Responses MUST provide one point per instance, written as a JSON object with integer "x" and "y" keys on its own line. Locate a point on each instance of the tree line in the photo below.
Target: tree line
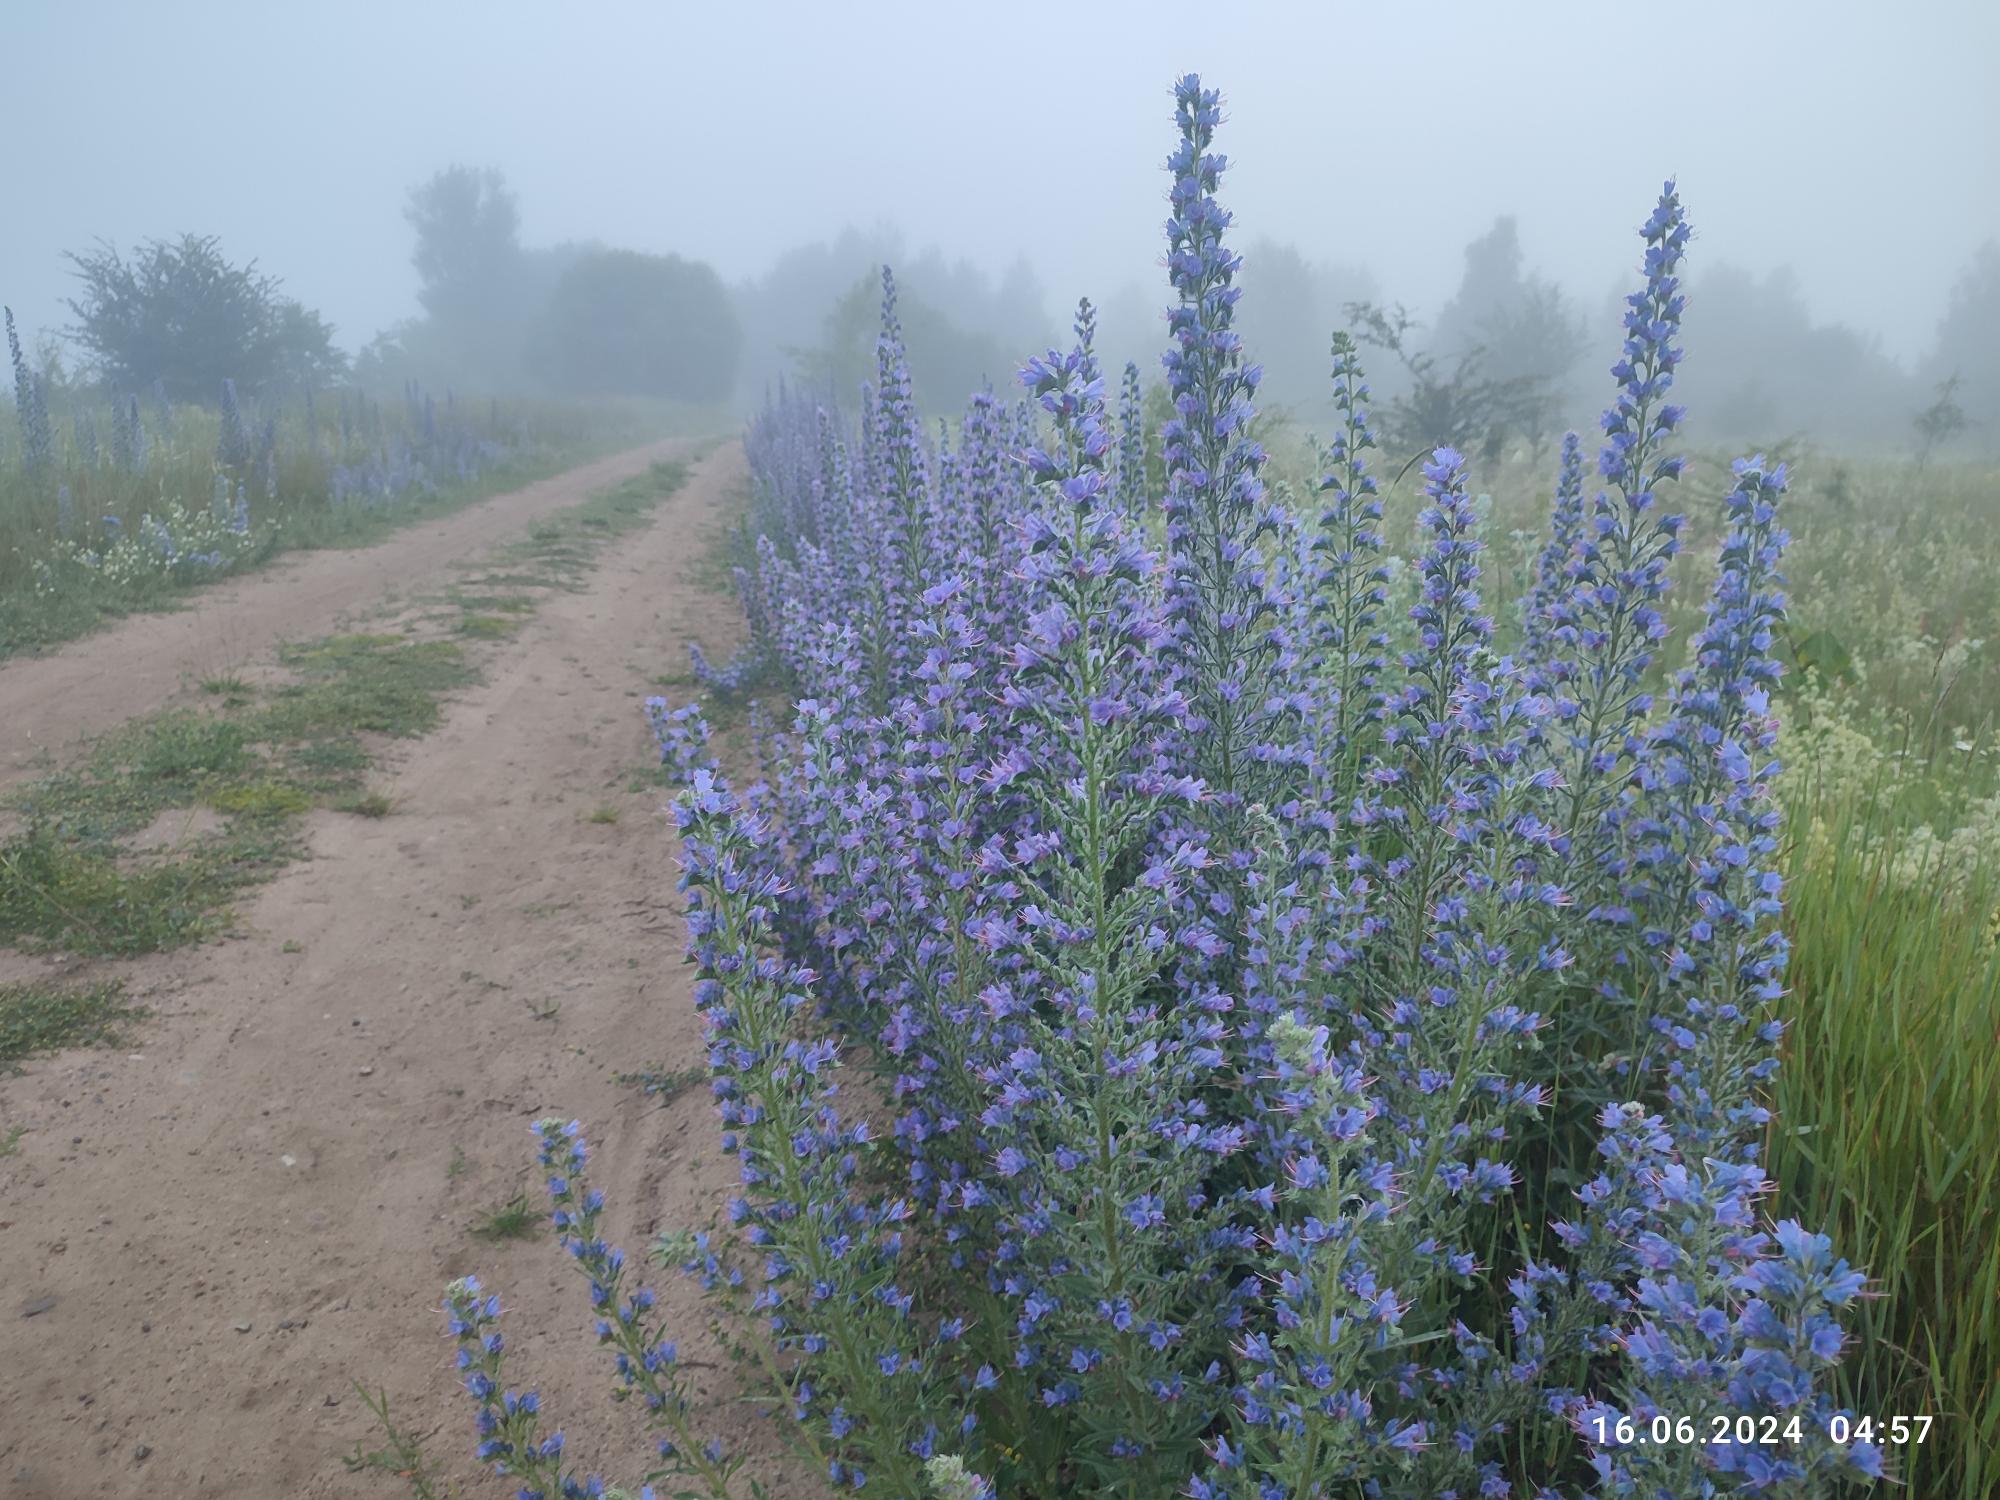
{"x": 1503, "y": 363}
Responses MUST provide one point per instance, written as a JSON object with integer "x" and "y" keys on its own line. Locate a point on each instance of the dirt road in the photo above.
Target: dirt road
{"x": 92, "y": 684}
{"x": 205, "y": 1237}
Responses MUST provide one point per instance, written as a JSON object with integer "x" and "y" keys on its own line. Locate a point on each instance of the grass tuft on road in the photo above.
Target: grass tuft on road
{"x": 39, "y": 1017}
{"x": 516, "y": 1219}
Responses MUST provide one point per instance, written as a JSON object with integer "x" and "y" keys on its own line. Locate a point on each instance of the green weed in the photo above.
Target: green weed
{"x": 58, "y": 895}
{"x": 378, "y": 684}
{"x": 366, "y": 804}
{"x": 401, "y": 1455}
{"x": 46, "y": 1017}
{"x": 512, "y": 1220}
{"x": 184, "y": 749}
{"x": 501, "y": 604}
{"x": 664, "y": 1084}
{"x": 262, "y": 799}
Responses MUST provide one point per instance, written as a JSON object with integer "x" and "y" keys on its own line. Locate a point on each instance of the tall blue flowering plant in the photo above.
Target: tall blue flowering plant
{"x": 1183, "y": 1031}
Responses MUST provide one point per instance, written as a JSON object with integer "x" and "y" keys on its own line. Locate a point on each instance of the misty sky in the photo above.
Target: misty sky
{"x": 1859, "y": 143}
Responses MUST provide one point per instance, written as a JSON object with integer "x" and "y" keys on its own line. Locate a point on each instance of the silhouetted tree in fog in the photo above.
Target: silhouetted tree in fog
{"x": 1489, "y": 288}
{"x": 803, "y": 315}
{"x": 1968, "y": 344}
{"x": 1766, "y": 370}
{"x": 471, "y": 281}
{"x": 1519, "y": 333}
{"x": 180, "y": 313}
{"x": 468, "y": 250}
{"x": 1287, "y": 317}
{"x": 623, "y": 323}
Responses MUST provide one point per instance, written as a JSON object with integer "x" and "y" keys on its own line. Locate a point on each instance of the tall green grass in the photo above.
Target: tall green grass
{"x": 1888, "y": 1133}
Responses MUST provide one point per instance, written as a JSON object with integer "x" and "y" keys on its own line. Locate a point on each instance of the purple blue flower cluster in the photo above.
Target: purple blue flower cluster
{"x": 509, "y": 1422}
{"x": 232, "y": 442}
{"x": 1320, "y": 1053}
{"x": 384, "y": 465}
{"x": 31, "y": 406}
{"x": 128, "y": 435}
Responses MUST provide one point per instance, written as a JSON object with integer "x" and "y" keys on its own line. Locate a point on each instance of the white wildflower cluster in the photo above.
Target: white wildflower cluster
{"x": 176, "y": 543}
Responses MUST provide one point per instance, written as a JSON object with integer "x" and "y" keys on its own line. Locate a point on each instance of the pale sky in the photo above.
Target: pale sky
{"x": 1858, "y": 142}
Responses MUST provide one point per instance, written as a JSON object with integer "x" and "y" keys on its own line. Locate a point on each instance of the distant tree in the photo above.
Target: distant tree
{"x": 1279, "y": 320}
{"x": 1532, "y": 343}
{"x": 1455, "y": 404}
{"x": 542, "y": 268}
{"x": 1765, "y": 368}
{"x": 1131, "y": 325}
{"x": 1518, "y": 332}
{"x": 1489, "y": 290}
{"x": 400, "y": 353}
{"x": 1286, "y": 317}
{"x": 468, "y": 261}
{"x": 786, "y": 311}
{"x": 1940, "y": 422}
{"x": 468, "y": 250}
{"x": 1018, "y": 310}
{"x": 1968, "y": 341}
{"x": 623, "y": 323}
{"x": 180, "y": 314}
{"x": 302, "y": 352}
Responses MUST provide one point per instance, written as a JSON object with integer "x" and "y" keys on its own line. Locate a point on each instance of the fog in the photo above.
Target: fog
{"x": 1840, "y": 159}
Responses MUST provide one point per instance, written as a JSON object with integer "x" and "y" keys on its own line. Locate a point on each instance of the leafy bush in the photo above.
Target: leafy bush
{"x": 180, "y": 315}
{"x": 1326, "y": 1056}
{"x": 1459, "y": 399}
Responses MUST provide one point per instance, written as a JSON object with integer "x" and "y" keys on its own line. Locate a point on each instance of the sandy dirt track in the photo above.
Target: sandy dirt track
{"x": 203, "y": 1238}
{"x": 92, "y": 684}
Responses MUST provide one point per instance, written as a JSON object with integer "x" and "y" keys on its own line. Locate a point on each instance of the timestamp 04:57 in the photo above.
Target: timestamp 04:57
{"x": 1765, "y": 1431}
